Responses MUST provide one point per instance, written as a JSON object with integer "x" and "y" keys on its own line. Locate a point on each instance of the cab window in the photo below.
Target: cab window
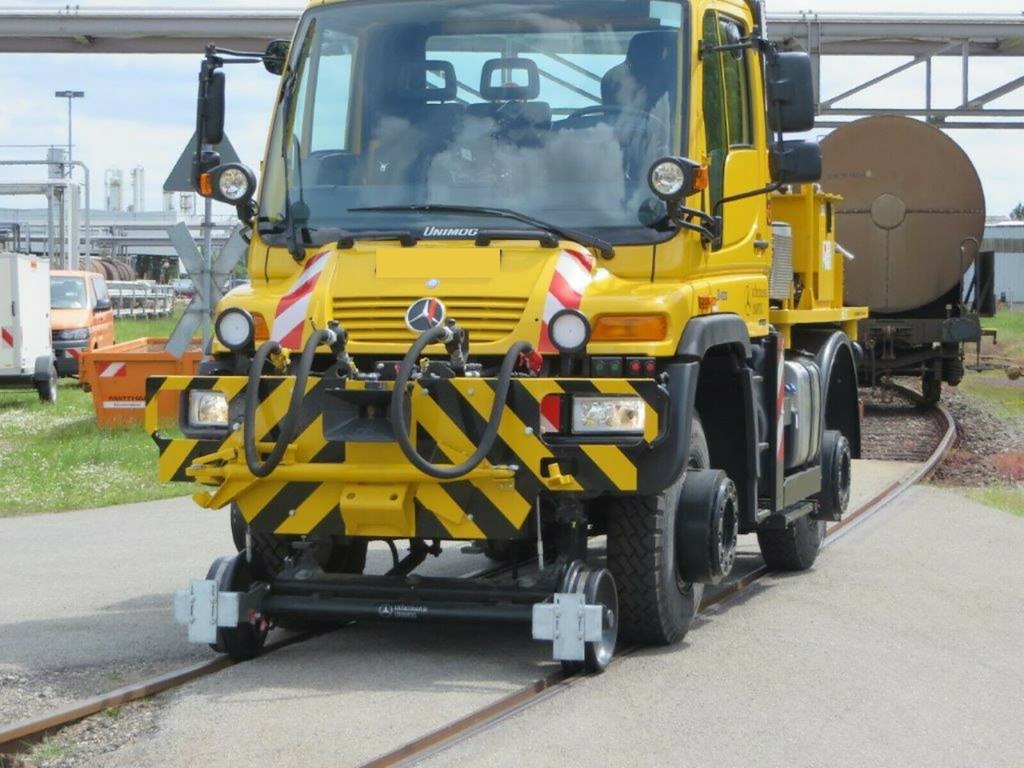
{"x": 727, "y": 111}
{"x": 99, "y": 287}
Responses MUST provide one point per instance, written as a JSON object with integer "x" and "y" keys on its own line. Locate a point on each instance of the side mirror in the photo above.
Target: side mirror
{"x": 795, "y": 162}
{"x": 276, "y": 55}
{"x": 790, "y": 85}
{"x": 211, "y": 107}
{"x": 103, "y": 305}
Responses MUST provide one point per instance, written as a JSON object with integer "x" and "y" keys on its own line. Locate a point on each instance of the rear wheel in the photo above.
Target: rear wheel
{"x": 656, "y": 606}
{"x": 47, "y": 388}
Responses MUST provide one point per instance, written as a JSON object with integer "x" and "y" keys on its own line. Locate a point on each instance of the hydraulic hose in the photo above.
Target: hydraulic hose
{"x": 291, "y": 419}
{"x": 398, "y": 408}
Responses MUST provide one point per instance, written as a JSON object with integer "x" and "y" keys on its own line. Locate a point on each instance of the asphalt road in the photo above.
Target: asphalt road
{"x": 877, "y": 657}
{"x": 904, "y": 646}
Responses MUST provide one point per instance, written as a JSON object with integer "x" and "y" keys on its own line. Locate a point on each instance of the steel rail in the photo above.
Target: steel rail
{"x": 487, "y": 717}
{"x": 16, "y": 737}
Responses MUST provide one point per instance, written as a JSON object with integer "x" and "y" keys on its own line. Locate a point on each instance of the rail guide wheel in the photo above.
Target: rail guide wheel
{"x": 597, "y": 587}
{"x": 245, "y": 641}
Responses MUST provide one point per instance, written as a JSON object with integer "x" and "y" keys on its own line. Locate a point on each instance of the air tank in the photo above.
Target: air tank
{"x": 911, "y": 198}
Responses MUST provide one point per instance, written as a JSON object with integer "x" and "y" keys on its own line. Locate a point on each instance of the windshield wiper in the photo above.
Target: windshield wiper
{"x": 606, "y": 249}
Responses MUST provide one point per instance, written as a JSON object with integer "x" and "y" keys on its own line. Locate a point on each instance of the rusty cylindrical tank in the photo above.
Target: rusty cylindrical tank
{"x": 910, "y": 198}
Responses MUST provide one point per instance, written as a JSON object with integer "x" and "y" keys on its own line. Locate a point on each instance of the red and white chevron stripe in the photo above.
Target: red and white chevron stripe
{"x": 573, "y": 273}
{"x": 7, "y": 337}
{"x": 293, "y": 308}
{"x": 112, "y": 370}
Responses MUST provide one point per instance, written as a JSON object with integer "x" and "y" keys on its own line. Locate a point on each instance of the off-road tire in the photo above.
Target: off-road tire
{"x": 655, "y": 606}
{"x": 795, "y": 548}
{"x": 350, "y": 558}
{"x": 270, "y": 550}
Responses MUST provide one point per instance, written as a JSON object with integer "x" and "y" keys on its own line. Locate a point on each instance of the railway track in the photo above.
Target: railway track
{"x": 935, "y": 429}
{"x": 487, "y": 717}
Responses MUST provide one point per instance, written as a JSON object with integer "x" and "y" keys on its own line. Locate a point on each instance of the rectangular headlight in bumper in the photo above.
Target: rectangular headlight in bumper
{"x": 608, "y": 415}
{"x": 207, "y": 409}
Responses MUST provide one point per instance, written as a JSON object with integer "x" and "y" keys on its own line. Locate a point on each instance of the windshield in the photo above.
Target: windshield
{"x": 67, "y": 293}
{"x": 554, "y": 110}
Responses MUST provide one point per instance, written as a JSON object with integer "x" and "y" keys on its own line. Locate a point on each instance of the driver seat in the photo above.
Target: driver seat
{"x": 647, "y": 74}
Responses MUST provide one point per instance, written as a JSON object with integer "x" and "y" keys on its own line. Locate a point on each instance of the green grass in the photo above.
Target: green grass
{"x": 55, "y": 458}
{"x": 1003, "y": 397}
{"x": 129, "y": 328}
{"x": 1006, "y": 498}
{"x": 1010, "y": 325}
{"x": 995, "y": 393}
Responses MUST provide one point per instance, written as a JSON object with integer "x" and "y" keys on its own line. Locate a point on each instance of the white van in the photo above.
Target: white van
{"x": 26, "y": 350}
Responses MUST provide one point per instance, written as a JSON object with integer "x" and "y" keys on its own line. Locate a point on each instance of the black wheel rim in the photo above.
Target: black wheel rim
{"x": 600, "y": 590}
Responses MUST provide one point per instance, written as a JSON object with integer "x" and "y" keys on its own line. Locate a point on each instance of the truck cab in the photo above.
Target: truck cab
{"x": 81, "y": 316}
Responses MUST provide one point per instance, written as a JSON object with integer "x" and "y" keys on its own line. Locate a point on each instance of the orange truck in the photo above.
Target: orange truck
{"x": 81, "y": 317}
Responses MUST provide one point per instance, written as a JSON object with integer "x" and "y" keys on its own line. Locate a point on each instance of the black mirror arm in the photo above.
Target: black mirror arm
{"x": 775, "y": 186}
{"x": 708, "y": 229}
{"x": 707, "y": 220}
{"x": 754, "y": 41}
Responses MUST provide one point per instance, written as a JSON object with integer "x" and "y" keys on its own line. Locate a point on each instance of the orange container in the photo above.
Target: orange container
{"x": 117, "y": 376}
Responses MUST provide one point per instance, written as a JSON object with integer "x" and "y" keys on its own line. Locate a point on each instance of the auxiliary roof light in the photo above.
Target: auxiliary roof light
{"x": 673, "y": 178}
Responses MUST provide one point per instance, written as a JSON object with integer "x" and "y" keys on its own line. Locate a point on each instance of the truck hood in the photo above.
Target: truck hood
{"x": 69, "y": 319}
{"x": 498, "y": 294}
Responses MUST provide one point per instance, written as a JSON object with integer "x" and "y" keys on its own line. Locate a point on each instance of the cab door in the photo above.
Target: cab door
{"x": 735, "y": 153}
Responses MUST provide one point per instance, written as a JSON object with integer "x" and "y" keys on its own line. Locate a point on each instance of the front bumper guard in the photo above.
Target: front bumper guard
{"x": 448, "y": 411}
{"x": 564, "y": 619}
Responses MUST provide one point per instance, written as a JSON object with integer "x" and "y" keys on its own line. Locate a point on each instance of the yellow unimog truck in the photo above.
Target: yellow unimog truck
{"x": 524, "y": 275}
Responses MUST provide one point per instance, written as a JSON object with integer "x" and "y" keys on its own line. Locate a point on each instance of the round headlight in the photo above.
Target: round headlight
{"x": 569, "y": 331}
{"x": 235, "y": 328}
{"x": 668, "y": 179}
{"x": 234, "y": 184}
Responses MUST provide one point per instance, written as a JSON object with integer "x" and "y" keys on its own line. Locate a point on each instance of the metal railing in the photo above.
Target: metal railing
{"x": 139, "y": 298}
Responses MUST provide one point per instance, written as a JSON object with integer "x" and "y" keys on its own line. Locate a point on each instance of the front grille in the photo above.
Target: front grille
{"x": 382, "y": 320}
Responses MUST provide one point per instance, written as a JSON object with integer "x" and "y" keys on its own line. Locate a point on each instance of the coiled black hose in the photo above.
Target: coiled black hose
{"x": 398, "y": 409}
{"x": 291, "y": 419}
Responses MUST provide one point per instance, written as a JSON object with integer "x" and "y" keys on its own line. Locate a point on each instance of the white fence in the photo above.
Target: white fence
{"x": 139, "y": 298}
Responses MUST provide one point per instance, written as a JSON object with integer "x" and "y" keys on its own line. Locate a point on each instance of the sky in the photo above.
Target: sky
{"x": 140, "y": 110}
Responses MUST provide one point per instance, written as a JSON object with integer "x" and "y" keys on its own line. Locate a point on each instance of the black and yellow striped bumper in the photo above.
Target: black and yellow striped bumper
{"x": 345, "y": 475}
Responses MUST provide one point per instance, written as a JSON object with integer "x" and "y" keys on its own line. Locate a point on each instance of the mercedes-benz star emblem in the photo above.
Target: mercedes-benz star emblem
{"x": 425, "y": 315}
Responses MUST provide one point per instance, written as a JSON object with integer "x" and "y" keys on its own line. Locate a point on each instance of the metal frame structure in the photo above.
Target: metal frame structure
{"x": 922, "y": 37}
{"x": 63, "y": 227}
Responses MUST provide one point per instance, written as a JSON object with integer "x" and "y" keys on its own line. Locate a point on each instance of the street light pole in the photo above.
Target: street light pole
{"x": 70, "y": 96}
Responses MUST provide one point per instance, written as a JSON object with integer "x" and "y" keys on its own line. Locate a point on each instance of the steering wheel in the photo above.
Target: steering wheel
{"x": 607, "y": 110}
